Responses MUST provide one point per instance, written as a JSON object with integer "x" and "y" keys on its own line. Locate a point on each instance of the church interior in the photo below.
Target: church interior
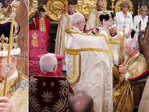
{"x": 74, "y": 55}
{"x": 54, "y": 10}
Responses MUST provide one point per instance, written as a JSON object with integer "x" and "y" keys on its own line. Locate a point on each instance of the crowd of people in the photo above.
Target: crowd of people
{"x": 101, "y": 54}
{"x": 122, "y": 33}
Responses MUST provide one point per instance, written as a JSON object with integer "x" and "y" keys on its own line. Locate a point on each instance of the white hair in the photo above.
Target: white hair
{"x": 48, "y": 62}
{"x": 132, "y": 43}
{"x": 77, "y": 18}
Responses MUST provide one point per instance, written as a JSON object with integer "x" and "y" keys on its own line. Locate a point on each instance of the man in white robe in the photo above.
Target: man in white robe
{"x": 89, "y": 65}
{"x": 65, "y": 22}
{"x": 116, "y": 42}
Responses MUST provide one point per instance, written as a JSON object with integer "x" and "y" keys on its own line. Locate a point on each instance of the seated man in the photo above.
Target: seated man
{"x": 81, "y": 102}
{"x": 48, "y": 65}
{"x": 133, "y": 66}
{"x": 135, "y": 63}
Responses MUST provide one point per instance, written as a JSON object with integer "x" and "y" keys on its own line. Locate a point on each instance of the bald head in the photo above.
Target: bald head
{"x": 81, "y": 102}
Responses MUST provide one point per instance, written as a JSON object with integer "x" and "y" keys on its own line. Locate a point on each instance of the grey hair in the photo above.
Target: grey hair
{"x": 133, "y": 43}
{"x": 48, "y": 62}
{"x": 78, "y": 18}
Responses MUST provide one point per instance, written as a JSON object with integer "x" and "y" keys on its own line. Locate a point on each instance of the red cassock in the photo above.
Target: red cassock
{"x": 36, "y": 25}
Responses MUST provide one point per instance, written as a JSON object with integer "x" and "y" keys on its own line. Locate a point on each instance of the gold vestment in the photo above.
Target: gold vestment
{"x": 17, "y": 92}
{"x": 123, "y": 94}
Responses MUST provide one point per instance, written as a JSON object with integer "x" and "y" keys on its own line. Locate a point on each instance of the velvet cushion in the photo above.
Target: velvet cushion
{"x": 48, "y": 94}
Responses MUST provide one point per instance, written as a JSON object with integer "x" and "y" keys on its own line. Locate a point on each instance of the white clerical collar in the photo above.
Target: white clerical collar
{"x": 15, "y": 74}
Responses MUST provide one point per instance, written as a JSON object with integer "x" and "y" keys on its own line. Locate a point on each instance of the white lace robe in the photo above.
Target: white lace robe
{"x": 96, "y": 69}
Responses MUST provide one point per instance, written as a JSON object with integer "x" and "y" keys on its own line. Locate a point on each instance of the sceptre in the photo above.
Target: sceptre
{"x": 13, "y": 4}
{"x": 8, "y": 59}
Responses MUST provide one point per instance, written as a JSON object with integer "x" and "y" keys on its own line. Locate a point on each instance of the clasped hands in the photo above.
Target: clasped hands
{"x": 123, "y": 70}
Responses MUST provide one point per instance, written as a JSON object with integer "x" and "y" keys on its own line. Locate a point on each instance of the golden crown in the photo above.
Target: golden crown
{"x": 8, "y": 26}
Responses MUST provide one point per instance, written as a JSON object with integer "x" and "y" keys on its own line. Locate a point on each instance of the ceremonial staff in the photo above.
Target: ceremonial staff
{"x": 8, "y": 59}
{"x": 13, "y": 5}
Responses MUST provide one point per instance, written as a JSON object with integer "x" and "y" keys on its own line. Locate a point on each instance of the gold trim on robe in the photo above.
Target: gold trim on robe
{"x": 123, "y": 94}
{"x": 74, "y": 78}
{"x": 60, "y": 35}
{"x": 17, "y": 92}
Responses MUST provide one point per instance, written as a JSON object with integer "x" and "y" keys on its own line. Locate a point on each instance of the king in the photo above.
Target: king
{"x": 13, "y": 84}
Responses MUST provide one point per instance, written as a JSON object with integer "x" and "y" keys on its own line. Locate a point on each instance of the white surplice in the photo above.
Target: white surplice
{"x": 95, "y": 68}
{"x": 116, "y": 48}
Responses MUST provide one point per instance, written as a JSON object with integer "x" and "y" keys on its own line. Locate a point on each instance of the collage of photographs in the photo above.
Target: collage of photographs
{"x": 74, "y": 55}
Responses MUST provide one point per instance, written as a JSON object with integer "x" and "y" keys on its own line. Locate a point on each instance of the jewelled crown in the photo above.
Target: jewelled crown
{"x": 9, "y": 29}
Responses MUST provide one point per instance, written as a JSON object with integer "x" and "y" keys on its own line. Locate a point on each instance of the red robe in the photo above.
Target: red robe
{"x": 50, "y": 74}
{"x": 36, "y": 26}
